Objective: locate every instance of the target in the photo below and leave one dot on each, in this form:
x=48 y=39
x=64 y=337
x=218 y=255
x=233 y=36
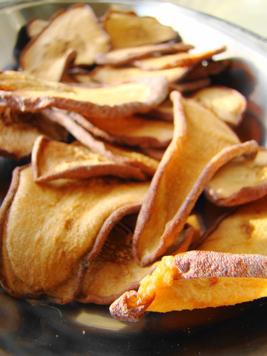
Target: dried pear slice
x=133 y=130
x=176 y=60
x=195 y=280
x=228 y=104
x=35 y=27
x=126 y=55
x=111 y=75
x=240 y=181
x=113 y=271
x=187 y=166
x=74 y=29
x=19 y=131
x=64 y=223
x=128 y=30
x=243 y=231
x=27 y=93
x=54 y=160
x=117 y=154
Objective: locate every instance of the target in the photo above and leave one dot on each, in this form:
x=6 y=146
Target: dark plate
x=33 y=328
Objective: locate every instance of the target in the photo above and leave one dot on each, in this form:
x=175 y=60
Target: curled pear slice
x=181 y=178
x=195 y=280
x=24 y=92
x=240 y=181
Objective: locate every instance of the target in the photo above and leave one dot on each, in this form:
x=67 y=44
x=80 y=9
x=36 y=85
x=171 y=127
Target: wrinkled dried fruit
x=195 y=280
x=58 y=222
x=117 y=154
x=181 y=178
x=54 y=160
x=244 y=231
x=129 y=30
x=176 y=60
x=74 y=29
x=239 y=181
x=111 y=75
x=113 y=271
x=228 y=104
x=19 y=131
x=26 y=93
x=126 y=55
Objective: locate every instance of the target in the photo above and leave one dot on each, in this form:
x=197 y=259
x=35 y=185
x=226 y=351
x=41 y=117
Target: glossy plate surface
x=34 y=328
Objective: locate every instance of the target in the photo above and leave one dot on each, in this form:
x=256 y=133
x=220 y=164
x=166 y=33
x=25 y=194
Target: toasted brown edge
x=158 y=88
x=194 y=265
x=236 y=92
x=110 y=169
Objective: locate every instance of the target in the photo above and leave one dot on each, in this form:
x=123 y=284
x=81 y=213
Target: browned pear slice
x=126 y=55
x=244 y=231
x=113 y=271
x=58 y=222
x=54 y=160
x=240 y=181
x=176 y=60
x=129 y=30
x=19 y=131
x=114 y=75
x=26 y=93
x=133 y=130
x=188 y=164
x=74 y=29
x=195 y=280
x=36 y=26
x=116 y=153
x=228 y=104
